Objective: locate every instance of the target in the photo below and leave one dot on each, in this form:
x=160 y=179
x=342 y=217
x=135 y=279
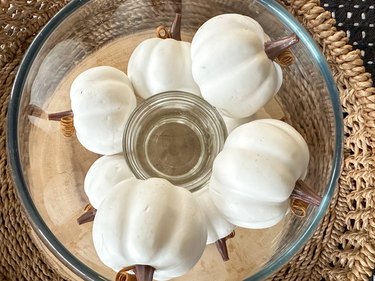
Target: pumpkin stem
x=304 y=193
x=88 y=215
x=67 y=125
x=58 y=115
x=285 y=59
x=144 y=272
x=124 y=275
x=162 y=32
x=222 y=247
x=298 y=207
x=66 y=121
x=274 y=48
x=175 y=32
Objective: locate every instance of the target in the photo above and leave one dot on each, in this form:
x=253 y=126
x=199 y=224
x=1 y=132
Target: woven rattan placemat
x=342 y=248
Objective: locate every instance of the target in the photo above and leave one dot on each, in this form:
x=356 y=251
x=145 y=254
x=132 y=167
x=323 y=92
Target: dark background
x=357 y=18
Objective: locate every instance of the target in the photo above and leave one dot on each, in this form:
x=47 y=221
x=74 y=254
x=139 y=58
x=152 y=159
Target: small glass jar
x=175 y=136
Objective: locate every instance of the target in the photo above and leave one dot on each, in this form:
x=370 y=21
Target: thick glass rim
x=35 y=218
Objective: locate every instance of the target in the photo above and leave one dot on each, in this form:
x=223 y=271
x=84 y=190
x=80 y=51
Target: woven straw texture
x=342 y=248
x=20 y=258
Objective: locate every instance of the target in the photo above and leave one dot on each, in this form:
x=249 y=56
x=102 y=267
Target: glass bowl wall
x=49 y=168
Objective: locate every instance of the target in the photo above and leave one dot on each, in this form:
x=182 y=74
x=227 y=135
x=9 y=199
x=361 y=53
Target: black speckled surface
x=357 y=19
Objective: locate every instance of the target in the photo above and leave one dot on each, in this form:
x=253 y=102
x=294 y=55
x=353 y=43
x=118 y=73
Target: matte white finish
x=103 y=175
x=150 y=222
x=160 y=65
x=256 y=172
x=217 y=226
x=230 y=66
x=102 y=99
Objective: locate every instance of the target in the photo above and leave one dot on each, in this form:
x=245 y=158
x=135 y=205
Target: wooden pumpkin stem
x=88 y=215
x=222 y=247
x=58 y=115
x=175 y=32
x=144 y=272
x=299 y=207
x=304 y=193
x=274 y=48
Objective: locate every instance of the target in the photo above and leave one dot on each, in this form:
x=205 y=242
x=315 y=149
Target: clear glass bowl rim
x=36 y=220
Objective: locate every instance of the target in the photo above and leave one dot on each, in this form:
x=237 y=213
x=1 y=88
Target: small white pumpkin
x=152 y=224
x=103 y=175
x=231 y=67
x=256 y=172
x=161 y=65
x=217 y=226
x=102 y=99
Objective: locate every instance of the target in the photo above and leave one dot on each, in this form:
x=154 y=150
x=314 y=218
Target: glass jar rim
x=153 y=111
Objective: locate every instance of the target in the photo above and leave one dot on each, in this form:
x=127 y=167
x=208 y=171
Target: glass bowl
x=49 y=168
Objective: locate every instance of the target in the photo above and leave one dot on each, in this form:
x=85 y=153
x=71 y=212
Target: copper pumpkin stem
x=222 y=247
x=162 y=32
x=304 y=193
x=175 y=32
x=298 y=207
x=88 y=215
x=285 y=59
x=124 y=275
x=144 y=272
x=67 y=125
x=274 y=48
x=66 y=119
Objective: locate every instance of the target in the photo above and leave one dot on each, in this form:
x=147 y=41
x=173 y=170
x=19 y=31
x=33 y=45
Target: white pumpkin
x=102 y=99
x=103 y=175
x=217 y=226
x=231 y=67
x=151 y=223
x=256 y=172
x=160 y=65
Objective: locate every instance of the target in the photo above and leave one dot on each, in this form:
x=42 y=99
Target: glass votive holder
x=175 y=136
